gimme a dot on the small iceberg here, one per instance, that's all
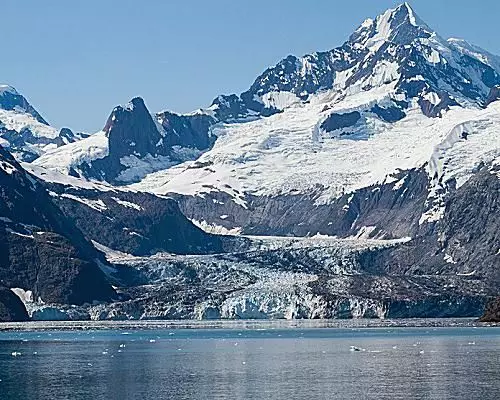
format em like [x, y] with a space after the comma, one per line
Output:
[355, 348]
[16, 354]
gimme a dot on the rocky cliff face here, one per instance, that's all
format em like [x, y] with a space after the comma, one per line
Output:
[135, 223]
[492, 312]
[464, 242]
[494, 95]
[390, 210]
[132, 144]
[40, 249]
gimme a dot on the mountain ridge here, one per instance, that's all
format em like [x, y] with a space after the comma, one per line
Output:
[367, 171]
[397, 48]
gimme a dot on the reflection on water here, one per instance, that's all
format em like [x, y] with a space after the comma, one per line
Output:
[399, 363]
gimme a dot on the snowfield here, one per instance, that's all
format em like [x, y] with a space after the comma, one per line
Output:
[84, 151]
[286, 153]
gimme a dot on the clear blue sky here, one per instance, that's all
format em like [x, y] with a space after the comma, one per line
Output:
[76, 60]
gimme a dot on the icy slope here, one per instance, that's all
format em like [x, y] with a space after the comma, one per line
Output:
[288, 153]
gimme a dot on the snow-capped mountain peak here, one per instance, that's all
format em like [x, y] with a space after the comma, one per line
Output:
[24, 131]
[399, 25]
[12, 100]
[8, 88]
[348, 117]
[132, 144]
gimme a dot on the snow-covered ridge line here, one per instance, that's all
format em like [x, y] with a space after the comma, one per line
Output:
[8, 89]
[65, 158]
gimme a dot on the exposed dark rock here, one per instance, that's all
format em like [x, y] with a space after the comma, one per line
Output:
[340, 121]
[494, 95]
[40, 249]
[492, 312]
[467, 236]
[131, 130]
[388, 114]
[433, 110]
[11, 307]
[393, 209]
[230, 107]
[135, 136]
[135, 223]
[192, 131]
[66, 135]
[50, 266]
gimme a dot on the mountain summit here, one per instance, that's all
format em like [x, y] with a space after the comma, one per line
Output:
[393, 67]
[24, 131]
[399, 25]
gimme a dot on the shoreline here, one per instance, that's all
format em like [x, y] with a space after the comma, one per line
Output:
[244, 324]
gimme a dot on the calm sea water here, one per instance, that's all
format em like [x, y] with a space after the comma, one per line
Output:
[256, 363]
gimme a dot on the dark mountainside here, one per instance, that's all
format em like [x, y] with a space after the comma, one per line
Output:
[11, 307]
[136, 223]
[492, 313]
[40, 249]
